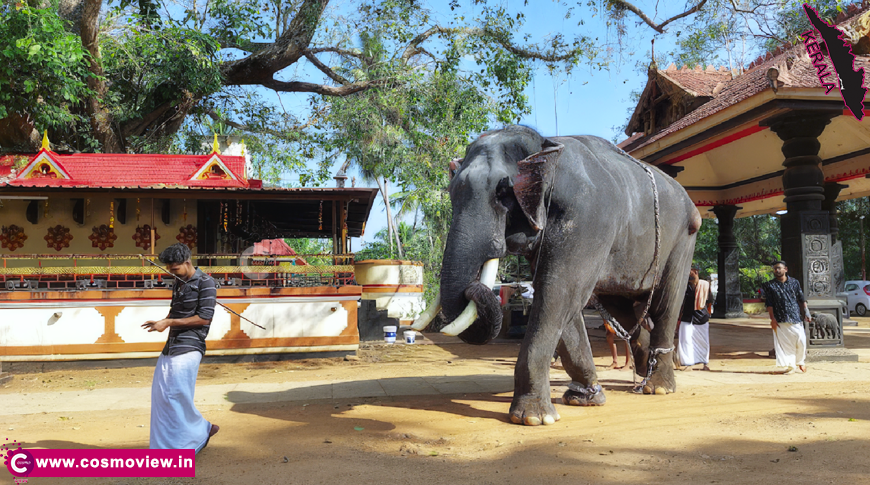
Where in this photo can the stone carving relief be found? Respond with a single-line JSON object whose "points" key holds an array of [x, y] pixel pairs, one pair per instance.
{"points": [[818, 265]]}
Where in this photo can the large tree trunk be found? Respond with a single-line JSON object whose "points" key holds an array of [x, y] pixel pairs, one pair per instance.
{"points": [[101, 119]]}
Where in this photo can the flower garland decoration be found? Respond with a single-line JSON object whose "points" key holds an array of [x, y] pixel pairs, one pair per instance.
{"points": [[12, 237], [58, 237], [142, 236], [103, 237], [187, 235]]}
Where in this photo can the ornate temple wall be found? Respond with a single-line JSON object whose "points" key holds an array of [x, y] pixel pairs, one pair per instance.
{"points": [[96, 212]]}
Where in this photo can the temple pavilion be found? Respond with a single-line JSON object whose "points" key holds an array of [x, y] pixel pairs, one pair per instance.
{"points": [[770, 139], [77, 231]]}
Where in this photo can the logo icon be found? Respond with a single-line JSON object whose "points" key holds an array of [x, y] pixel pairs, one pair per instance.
{"points": [[19, 462]]}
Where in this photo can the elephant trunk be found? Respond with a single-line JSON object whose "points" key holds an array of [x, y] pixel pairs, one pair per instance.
{"points": [[467, 301]]}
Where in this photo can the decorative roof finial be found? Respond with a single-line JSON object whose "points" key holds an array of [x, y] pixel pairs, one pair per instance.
{"points": [[243, 147], [216, 147], [45, 145]]}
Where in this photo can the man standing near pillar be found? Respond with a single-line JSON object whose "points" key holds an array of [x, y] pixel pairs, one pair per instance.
{"points": [[785, 302], [175, 421]]}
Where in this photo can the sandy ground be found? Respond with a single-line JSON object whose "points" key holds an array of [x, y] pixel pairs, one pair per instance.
{"points": [[735, 424]]}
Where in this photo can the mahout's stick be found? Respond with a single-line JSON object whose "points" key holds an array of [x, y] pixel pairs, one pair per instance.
{"points": [[215, 300]]}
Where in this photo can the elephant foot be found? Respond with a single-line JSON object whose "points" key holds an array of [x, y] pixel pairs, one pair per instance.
{"points": [[661, 382], [584, 396], [650, 389], [532, 410]]}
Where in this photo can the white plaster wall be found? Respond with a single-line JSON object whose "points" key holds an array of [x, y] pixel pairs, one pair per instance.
{"points": [[23, 327], [404, 306], [388, 274], [304, 319], [29, 326]]}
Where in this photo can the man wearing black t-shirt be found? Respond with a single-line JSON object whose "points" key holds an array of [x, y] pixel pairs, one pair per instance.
{"points": [[175, 421], [785, 302]]}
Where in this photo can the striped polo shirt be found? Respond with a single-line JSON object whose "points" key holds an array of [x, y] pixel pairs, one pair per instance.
{"points": [[195, 297]]}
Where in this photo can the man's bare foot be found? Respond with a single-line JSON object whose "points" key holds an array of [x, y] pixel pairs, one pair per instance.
{"points": [[214, 430], [627, 366], [706, 367], [803, 368], [613, 365]]}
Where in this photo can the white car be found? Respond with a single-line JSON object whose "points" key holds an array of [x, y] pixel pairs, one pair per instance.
{"points": [[858, 294]]}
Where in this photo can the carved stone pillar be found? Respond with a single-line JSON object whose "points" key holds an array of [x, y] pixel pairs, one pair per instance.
{"points": [[806, 228], [729, 299]]}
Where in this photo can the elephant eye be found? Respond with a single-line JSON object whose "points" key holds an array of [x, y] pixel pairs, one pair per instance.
{"points": [[504, 194]]}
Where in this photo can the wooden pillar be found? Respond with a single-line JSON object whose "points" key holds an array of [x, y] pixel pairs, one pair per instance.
{"points": [[729, 299]]}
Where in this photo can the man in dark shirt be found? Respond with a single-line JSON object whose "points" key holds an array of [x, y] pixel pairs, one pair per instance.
{"points": [[175, 421], [785, 301]]}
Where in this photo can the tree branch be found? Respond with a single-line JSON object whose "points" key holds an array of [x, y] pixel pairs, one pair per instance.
{"points": [[336, 50], [324, 69], [304, 87], [660, 28], [278, 133], [414, 48], [250, 47], [290, 46]]}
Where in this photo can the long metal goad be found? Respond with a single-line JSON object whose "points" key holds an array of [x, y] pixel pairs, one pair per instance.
{"points": [[219, 303]]}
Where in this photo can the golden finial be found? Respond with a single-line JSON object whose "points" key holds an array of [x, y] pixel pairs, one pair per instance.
{"points": [[215, 147], [243, 147], [45, 141]]}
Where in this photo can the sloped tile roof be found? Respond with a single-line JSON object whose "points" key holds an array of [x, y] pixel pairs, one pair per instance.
{"points": [[697, 81], [794, 68], [112, 170]]}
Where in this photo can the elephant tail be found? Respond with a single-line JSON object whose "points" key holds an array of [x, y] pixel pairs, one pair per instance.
{"points": [[694, 221]]}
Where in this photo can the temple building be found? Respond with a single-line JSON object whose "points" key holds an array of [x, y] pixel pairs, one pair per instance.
{"points": [[770, 139], [79, 233]]}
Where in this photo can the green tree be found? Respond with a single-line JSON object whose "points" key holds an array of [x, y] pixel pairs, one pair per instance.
{"points": [[849, 223], [143, 74]]}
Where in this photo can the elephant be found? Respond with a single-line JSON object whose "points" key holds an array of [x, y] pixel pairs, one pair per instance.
{"points": [[591, 220], [824, 326]]}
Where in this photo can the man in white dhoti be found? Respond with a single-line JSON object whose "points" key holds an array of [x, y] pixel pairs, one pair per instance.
{"points": [[175, 421], [785, 302], [694, 334]]}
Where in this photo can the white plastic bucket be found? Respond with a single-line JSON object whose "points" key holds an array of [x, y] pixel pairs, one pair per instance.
{"points": [[410, 336], [390, 334]]}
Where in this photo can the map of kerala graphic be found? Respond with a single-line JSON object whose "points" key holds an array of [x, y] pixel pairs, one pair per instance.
{"points": [[851, 80]]}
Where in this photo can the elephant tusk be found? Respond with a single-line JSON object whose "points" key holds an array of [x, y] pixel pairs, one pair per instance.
{"points": [[425, 318], [469, 315]]}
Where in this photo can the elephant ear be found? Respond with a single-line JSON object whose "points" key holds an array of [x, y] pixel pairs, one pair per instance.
{"points": [[533, 184]]}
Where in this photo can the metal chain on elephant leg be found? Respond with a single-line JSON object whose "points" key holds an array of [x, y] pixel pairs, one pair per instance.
{"points": [[655, 263], [651, 363], [620, 332]]}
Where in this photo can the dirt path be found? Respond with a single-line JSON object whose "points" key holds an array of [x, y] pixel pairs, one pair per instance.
{"points": [[733, 425]]}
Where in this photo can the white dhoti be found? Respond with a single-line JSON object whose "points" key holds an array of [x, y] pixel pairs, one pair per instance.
{"points": [[790, 343], [175, 421], [694, 343]]}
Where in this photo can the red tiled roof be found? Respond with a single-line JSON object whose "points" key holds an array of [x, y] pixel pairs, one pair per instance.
{"points": [[114, 170], [273, 247], [698, 81], [276, 247], [795, 70]]}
